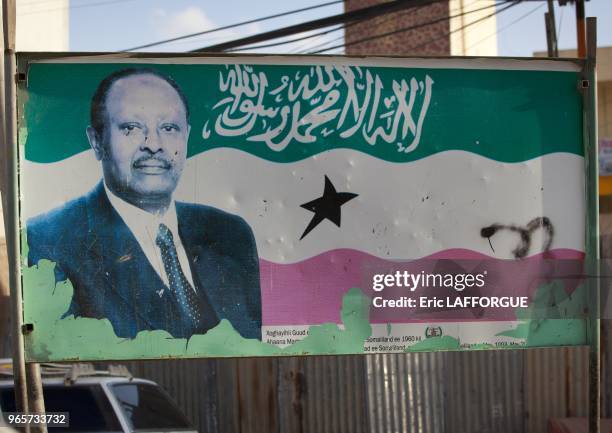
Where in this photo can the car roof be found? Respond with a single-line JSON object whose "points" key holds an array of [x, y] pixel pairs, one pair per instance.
{"points": [[74, 374], [89, 380]]}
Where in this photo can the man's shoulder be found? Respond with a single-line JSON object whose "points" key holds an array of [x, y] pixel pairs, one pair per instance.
{"points": [[58, 234], [63, 216], [66, 221], [214, 225], [203, 214]]}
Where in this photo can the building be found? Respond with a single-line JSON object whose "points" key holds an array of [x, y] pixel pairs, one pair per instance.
{"points": [[456, 27], [42, 26]]}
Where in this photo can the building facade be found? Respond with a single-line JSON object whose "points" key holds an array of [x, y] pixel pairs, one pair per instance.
{"points": [[456, 27]]}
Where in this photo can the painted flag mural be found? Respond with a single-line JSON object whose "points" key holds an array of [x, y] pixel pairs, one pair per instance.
{"points": [[228, 206]]}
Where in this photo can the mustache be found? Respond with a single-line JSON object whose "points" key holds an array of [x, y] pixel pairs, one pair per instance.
{"points": [[152, 160]]}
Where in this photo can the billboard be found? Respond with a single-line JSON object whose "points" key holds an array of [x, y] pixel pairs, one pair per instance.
{"points": [[256, 206]]}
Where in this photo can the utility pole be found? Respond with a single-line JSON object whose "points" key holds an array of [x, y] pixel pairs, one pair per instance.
{"points": [[580, 29], [27, 380], [590, 118], [551, 31], [10, 220]]}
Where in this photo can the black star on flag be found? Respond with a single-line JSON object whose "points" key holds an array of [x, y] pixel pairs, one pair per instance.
{"points": [[327, 206]]}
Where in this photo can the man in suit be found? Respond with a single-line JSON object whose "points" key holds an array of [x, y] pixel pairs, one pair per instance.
{"points": [[133, 255]]}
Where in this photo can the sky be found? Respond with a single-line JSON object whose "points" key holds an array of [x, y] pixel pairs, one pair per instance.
{"points": [[529, 34], [115, 25]]}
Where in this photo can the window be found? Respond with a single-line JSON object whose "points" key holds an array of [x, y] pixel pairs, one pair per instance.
{"points": [[147, 407], [88, 406]]}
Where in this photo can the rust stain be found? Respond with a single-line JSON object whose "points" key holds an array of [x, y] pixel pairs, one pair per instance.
{"points": [[298, 379]]}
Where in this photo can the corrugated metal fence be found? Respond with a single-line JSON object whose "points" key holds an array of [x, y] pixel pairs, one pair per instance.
{"points": [[318, 394], [488, 391], [406, 392], [449, 392]]}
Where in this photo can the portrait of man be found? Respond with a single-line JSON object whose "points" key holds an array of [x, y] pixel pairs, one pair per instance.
{"points": [[133, 254]]}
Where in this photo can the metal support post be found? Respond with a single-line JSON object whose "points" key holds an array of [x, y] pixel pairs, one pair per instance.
{"points": [[580, 29], [551, 31], [28, 385], [590, 136], [10, 197], [35, 395]]}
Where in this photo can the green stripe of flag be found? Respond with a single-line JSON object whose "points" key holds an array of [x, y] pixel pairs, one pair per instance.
{"points": [[505, 115]]}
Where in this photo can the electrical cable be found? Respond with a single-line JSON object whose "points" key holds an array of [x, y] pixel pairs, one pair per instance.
{"points": [[80, 6], [367, 12], [340, 27], [405, 29], [37, 2], [231, 26], [506, 26], [255, 47], [307, 46], [274, 44], [222, 37], [324, 32], [560, 25], [512, 4], [378, 21]]}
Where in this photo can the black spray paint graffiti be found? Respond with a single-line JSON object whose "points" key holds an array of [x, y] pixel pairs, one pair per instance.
{"points": [[525, 234]]}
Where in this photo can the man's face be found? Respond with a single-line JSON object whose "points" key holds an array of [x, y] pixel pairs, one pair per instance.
{"points": [[144, 145]]}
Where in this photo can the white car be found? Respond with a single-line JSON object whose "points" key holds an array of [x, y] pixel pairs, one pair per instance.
{"points": [[103, 403], [4, 428]]}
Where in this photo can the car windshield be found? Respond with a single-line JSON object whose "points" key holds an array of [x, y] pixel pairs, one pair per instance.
{"points": [[147, 407], [88, 407]]}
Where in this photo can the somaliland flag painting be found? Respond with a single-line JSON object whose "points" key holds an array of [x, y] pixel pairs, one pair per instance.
{"points": [[247, 206]]}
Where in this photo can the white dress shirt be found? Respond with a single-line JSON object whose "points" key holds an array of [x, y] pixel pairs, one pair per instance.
{"points": [[144, 226]]}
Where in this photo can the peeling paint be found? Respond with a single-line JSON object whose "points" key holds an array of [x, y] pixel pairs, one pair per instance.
{"points": [[553, 316], [435, 343], [70, 338]]}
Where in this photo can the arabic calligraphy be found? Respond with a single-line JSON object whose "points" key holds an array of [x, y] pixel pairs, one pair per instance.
{"points": [[318, 102]]}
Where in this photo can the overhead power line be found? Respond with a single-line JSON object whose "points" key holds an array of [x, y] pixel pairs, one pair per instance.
{"points": [[398, 15], [560, 24], [289, 41], [522, 17], [359, 14], [231, 26], [505, 8], [378, 22], [38, 2], [79, 6], [402, 30], [310, 36], [303, 49], [313, 35]]}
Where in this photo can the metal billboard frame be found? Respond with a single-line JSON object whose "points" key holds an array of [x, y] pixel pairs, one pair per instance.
{"points": [[27, 378]]}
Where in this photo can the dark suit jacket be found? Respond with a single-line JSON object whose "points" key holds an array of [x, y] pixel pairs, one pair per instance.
{"points": [[112, 278]]}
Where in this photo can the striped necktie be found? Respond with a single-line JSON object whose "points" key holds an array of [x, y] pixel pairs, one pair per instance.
{"points": [[184, 294]]}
